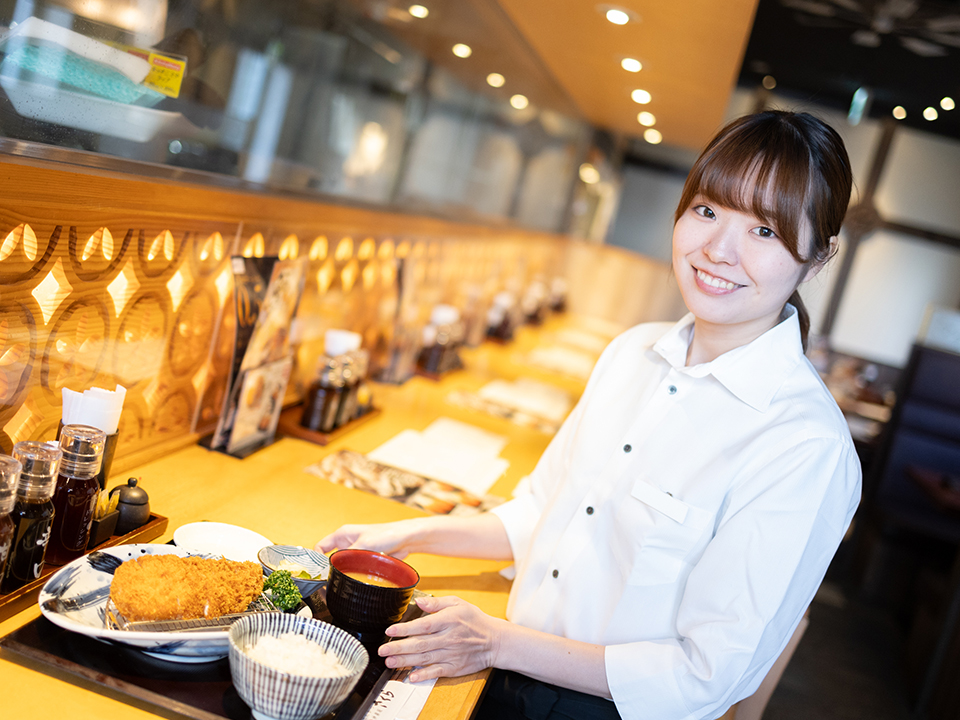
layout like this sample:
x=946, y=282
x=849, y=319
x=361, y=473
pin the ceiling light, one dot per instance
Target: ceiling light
x=930, y=114
x=418, y=11
x=899, y=112
x=589, y=174
x=652, y=136
x=495, y=80
x=947, y=103
x=769, y=82
x=631, y=65
x=618, y=16
x=462, y=51
x=646, y=119
x=519, y=101
x=640, y=96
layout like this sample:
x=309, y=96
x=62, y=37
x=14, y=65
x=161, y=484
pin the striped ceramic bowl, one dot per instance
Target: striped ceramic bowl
x=315, y=563
x=271, y=693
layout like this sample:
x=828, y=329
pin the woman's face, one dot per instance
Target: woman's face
x=733, y=269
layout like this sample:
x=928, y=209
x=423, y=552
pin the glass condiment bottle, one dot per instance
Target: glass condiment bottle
x=76, y=495
x=32, y=513
x=348, y=398
x=323, y=397
x=363, y=395
x=9, y=479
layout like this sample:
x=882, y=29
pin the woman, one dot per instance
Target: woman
x=683, y=517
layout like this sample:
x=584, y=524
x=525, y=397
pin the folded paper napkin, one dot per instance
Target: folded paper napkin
x=96, y=406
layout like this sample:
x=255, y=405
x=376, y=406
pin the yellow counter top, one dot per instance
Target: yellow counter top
x=270, y=493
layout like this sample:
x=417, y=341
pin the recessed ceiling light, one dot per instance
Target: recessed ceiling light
x=947, y=103
x=617, y=16
x=589, y=174
x=652, y=136
x=418, y=11
x=462, y=51
x=769, y=82
x=930, y=114
x=646, y=119
x=899, y=112
x=640, y=96
x=495, y=80
x=519, y=101
x=631, y=65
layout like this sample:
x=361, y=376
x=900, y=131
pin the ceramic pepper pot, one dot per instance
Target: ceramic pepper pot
x=133, y=506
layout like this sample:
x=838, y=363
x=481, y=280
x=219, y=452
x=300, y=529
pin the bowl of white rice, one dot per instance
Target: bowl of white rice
x=287, y=667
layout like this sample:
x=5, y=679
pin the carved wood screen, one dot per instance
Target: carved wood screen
x=107, y=279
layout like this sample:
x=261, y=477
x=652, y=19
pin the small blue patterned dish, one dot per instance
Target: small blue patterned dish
x=272, y=693
x=316, y=564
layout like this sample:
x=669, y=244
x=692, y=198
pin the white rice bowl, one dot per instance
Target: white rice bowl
x=330, y=663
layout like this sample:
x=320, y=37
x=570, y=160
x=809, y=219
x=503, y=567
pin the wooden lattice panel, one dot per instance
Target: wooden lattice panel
x=107, y=279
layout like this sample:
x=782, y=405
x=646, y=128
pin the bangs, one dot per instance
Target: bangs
x=756, y=171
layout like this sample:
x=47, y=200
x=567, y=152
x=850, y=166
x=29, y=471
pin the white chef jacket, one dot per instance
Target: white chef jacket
x=684, y=517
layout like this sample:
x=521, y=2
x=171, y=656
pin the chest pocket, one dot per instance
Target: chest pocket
x=658, y=534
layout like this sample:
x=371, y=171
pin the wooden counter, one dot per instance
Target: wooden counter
x=269, y=493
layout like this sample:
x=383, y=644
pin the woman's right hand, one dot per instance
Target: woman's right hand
x=393, y=538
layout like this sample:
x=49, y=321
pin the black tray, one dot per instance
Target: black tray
x=203, y=691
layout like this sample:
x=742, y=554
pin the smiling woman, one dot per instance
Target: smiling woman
x=680, y=522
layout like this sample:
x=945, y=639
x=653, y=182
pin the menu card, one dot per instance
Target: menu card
x=267, y=292
x=524, y=402
x=450, y=451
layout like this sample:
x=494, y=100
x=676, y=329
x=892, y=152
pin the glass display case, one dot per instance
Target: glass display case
x=363, y=100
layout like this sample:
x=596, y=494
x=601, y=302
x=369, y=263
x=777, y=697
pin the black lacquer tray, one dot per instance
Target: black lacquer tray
x=203, y=691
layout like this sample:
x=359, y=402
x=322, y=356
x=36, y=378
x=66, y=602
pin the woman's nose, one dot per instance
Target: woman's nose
x=722, y=246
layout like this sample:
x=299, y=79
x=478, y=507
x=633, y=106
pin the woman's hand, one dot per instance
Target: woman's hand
x=389, y=538
x=455, y=638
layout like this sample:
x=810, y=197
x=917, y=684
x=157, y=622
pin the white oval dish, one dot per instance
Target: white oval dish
x=214, y=538
x=80, y=578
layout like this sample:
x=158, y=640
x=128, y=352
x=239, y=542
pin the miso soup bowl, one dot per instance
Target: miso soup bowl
x=364, y=607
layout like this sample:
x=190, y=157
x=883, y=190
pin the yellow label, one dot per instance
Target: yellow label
x=166, y=74
x=166, y=71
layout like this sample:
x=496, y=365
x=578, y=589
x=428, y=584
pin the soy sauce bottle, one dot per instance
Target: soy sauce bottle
x=9, y=479
x=32, y=513
x=75, y=498
x=323, y=397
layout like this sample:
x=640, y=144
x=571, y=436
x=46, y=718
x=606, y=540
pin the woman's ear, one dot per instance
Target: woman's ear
x=817, y=266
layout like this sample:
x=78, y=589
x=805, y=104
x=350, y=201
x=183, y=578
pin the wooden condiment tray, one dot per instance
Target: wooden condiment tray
x=290, y=425
x=12, y=603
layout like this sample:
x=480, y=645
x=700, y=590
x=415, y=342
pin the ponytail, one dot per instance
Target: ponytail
x=802, y=316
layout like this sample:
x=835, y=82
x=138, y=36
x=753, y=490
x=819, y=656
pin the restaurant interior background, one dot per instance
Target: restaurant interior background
x=519, y=121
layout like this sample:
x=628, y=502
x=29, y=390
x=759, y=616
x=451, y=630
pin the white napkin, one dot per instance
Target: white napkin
x=96, y=406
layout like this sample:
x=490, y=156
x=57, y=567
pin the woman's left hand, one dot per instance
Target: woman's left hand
x=454, y=638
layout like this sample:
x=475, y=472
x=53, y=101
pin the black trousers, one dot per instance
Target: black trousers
x=511, y=696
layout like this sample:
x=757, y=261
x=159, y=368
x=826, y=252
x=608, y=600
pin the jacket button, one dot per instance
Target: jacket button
x=556, y=573
x=589, y=511
x=627, y=448
x=672, y=389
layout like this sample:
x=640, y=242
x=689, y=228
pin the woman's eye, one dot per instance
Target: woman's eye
x=704, y=211
x=764, y=231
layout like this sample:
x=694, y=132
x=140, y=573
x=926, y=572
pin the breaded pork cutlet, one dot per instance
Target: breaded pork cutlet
x=168, y=587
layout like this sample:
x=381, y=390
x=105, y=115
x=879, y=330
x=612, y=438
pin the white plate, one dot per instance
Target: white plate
x=213, y=538
x=80, y=577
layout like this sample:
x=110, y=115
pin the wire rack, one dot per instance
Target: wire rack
x=116, y=621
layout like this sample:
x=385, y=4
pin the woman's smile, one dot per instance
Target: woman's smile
x=712, y=283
